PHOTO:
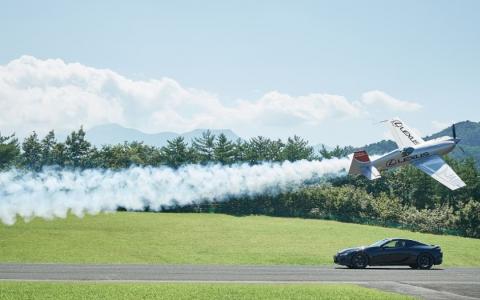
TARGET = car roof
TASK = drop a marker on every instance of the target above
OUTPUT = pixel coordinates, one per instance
(397, 238)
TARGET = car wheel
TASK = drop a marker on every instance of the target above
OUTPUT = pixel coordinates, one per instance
(359, 261)
(424, 261)
(414, 266)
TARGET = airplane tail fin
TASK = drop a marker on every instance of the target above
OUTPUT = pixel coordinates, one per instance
(361, 165)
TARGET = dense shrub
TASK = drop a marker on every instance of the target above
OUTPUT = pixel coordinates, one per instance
(437, 220)
(468, 219)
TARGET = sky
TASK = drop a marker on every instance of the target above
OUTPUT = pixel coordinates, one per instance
(328, 71)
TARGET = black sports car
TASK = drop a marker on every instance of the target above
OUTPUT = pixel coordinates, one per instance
(391, 252)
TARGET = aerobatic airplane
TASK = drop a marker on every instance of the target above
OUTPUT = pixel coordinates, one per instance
(412, 149)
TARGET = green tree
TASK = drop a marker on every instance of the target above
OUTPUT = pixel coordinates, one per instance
(112, 157)
(224, 150)
(297, 148)
(261, 149)
(467, 170)
(337, 152)
(143, 154)
(9, 150)
(204, 147)
(176, 152)
(59, 154)
(324, 153)
(32, 152)
(127, 154)
(240, 150)
(78, 149)
(47, 145)
(407, 183)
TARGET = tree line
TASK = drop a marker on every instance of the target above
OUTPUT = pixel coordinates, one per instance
(77, 152)
(403, 197)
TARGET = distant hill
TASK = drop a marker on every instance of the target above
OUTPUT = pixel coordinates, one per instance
(115, 134)
(381, 147)
(198, 132)
(467, 131)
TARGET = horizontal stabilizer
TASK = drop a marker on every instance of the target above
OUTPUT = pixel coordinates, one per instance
(370, 172)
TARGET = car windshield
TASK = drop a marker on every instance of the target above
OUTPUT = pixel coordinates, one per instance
(379, 243)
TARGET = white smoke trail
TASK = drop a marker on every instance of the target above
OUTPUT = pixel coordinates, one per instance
(54, 193)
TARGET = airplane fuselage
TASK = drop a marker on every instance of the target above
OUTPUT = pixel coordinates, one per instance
(400, 157)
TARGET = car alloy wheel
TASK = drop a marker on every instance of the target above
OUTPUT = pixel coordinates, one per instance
(424, 262)
(359, 261)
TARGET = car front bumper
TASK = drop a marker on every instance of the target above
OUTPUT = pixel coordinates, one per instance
(343, 260)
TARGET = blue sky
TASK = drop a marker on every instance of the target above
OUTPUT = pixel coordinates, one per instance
(423, 52)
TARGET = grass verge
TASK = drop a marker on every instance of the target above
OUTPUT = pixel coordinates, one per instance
(162, 238)
(207, 291)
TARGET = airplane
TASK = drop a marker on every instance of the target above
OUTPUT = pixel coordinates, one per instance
(412, 149)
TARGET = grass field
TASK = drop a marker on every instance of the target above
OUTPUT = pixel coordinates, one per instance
(161, 238)
(56, 290)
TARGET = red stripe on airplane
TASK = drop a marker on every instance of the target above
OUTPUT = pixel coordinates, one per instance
(361, 156)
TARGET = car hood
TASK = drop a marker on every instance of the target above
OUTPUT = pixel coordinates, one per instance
(346, 250)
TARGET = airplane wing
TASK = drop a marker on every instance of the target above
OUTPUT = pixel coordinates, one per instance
(403, 135)
(436, 167)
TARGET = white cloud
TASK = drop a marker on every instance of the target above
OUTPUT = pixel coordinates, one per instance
(49, 94)
(382, 99)
(438, 125)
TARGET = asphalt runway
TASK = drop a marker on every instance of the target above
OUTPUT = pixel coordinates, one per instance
(438, 283)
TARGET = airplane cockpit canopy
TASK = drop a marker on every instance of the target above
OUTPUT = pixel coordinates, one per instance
(407, 151)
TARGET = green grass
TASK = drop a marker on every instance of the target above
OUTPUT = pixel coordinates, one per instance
(161, 238)
(207, 291)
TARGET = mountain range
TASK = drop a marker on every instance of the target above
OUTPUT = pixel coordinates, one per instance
(110, 134)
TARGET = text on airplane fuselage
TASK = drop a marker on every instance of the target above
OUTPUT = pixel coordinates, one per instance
(393, 162)
(407, 133)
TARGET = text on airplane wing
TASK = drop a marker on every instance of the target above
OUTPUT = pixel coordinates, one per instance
(403, 135)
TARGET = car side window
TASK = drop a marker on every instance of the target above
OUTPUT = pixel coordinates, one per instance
(394, 244)
(390, 244)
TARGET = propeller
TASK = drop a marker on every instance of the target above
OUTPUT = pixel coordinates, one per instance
(454, 132)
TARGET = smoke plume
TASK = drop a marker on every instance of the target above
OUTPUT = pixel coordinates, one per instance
(55, 193)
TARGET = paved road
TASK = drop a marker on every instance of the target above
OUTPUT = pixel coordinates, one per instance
(451, 283)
